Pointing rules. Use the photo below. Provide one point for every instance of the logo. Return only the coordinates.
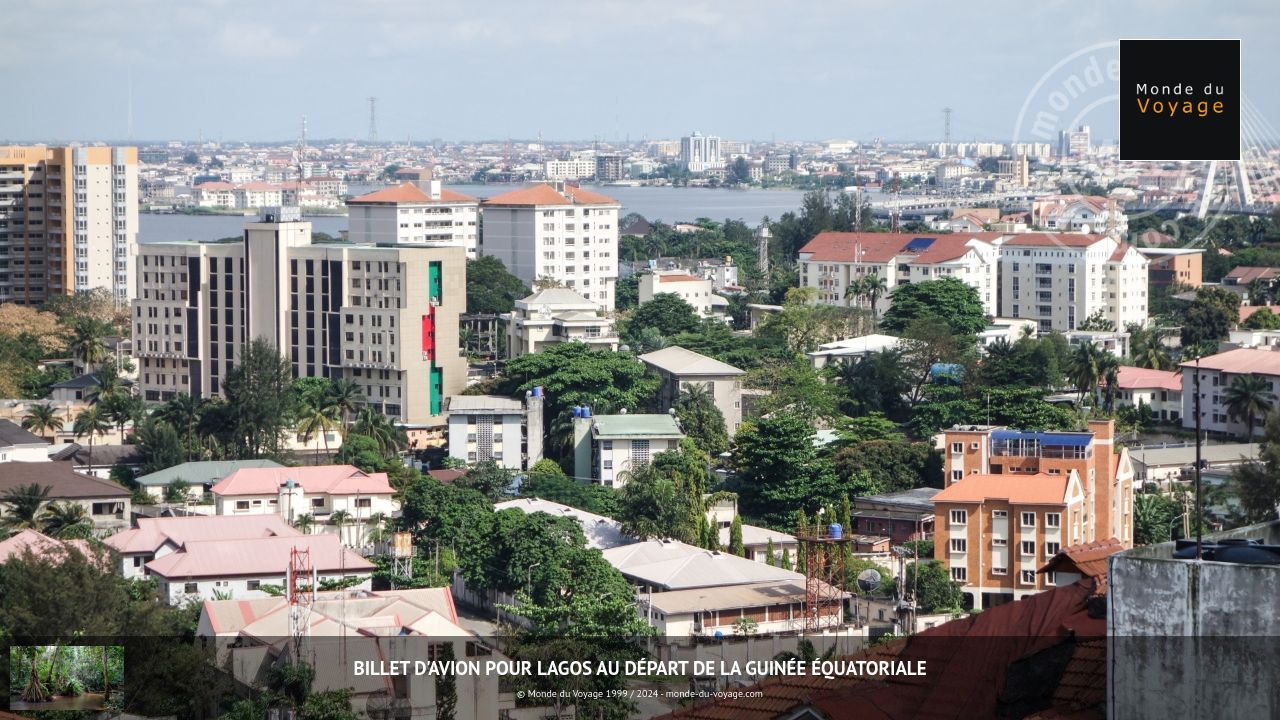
(1180, 99)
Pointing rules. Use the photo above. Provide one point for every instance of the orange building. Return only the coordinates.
(1072, 487)
(1174, 266)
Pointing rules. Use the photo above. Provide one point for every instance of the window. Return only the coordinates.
(242, 505)
(959, 517)
(999, 571)
(1028, 577)
(606, 444)
(253, 584)
(1053, 520)
(137, 561)
(317, 502)
(959, 574)
(1051, 549)
(1029, 547)
(191, 588)
(957, 447)
(957, 475)
(999, 542)
(608, 464)
(959, 545)
(1028, 519)
(364, 502)
(999, 514)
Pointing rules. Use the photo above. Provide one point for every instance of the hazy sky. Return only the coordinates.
(741, 69)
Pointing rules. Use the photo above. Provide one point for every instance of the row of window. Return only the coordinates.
(1051, 520)
(1028, 547)
(1027, 577)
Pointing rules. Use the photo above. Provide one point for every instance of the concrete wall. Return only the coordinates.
(1193, 639)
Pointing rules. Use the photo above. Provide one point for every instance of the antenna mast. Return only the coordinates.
(301, 597)
(373, 119)
(946, 126)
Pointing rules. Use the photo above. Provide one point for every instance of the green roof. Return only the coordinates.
(619, 426)
(200, 473)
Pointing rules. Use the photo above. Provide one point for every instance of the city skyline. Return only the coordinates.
(609, 71)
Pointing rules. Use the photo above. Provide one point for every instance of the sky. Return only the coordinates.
(86, 70)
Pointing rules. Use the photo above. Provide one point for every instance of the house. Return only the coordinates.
(602, 532)
(360, 628)
(106, 502)
(81, 387)
(41, 546)
(556, 315)
(852, 349)
(1160, 391)
(102, 461)
(200, 475)
(1106, 475)
(679, 369)
(902, 516)
(207, 569)
(488, 427)
(693, 289)
(994, 531)
(156, 537)
(1165, 465)
(16, 444)
(1244, 275)
(1215, 373)
(319, 491)
(1174, 266)
(606, 447)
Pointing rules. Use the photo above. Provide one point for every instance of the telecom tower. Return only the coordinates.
(301, 597)
(946, 126)
(762, 245)
(824, 550)
(373, 119)
(895, 215)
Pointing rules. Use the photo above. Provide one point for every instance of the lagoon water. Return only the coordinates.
(669, 204)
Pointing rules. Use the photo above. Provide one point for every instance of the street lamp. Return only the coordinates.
(528, 578)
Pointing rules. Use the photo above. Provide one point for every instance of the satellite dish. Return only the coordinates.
(869, 579)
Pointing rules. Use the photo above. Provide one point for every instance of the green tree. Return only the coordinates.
(44, 420)
(258, 392)
(547, 481)
(1089, 365)
(949, 299)
(177, 490)
(700, 419)
(491, 289)
(159, 445)
(373, 423)
(1209, 319)
(446, 687)
(875, 383)
(779, 470)
(1148, 347)
(318, 417)
(932, 587)
(889, 465)
(361, 451)
(1262, 319)
(328, 705)
(1257, 484)
(735, 537)
(795, 386)
(91, 422)
(1153, 517)
(488, 478)
(1248, 397)
(87, 345)
(663, 499)
(667, 313)
(346, 398)
(626, 293)
(927, 342)
(1098, 322)
(183, 413)
(66, 520)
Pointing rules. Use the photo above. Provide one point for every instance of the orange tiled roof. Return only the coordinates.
(1088, 559)
(833, 246)
(678, 278)
(544, 194)
(409, 193)
(1037, 489)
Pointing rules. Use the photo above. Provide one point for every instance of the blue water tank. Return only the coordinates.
(577, 411)
(537, 391)
(586, 411)
(835, 531)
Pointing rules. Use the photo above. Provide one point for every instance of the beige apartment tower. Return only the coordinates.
(68, 221)
(384, 317)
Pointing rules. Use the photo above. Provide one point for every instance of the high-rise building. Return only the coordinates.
(556, 232)
(608, 168)
(413, 215)
(68, 221)
(1075, 143)
(700, 152)
(385, 318)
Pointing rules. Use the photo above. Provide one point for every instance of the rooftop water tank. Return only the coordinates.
(835, 531)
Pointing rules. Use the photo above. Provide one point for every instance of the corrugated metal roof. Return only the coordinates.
(640, 425)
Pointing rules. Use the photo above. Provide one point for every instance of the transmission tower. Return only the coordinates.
(373, 119)
(946, 126)
(825, 552)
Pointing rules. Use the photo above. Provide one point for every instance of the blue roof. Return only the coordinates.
(919, 244)
(1045, 438)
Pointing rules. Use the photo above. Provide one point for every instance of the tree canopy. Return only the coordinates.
(780, 470)
(491, 289)
(950, 299)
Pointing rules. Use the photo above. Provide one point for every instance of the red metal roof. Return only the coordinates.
(409, 193)
(544, 194)
(1021, 489)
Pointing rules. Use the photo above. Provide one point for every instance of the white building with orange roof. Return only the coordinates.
(319, 491)
(1160, 391)
(556, 232)
(1078, 213)
(833, 261)
(696, 291)
(409, 215)
(352, 632)
(1061, 279)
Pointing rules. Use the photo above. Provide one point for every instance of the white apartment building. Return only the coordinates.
(501, 429)
(1216, 374)
(696, 291)
(578, 168)
(1059, 280)
(679, 368)
(833, 261)
(607, 447)
(699, 153)
(556, 315)
(383, 317)
(68, 221)
(406, 215)
(1159, 391)
(556, 232)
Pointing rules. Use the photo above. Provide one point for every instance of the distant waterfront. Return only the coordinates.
(668, 204)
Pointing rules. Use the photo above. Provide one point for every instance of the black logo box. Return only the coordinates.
(1187, 69)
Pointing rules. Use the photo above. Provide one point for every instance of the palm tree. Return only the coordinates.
(24, 504)
(317, 420)
(1111, 376)
(121, 408)
(91, 421)
(345, 397)
(340, 518)
(873, 286)
(42, 419)
(855, 289)
(1248, 396)
(108, 383)
(370, 421)
(376, 528)
(1148, 348)
(66, 520)
(1087, 368)
(182, 411)
(87, 346)
(304, 523)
